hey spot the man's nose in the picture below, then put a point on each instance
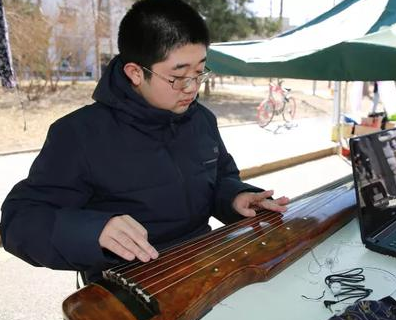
(192, 86)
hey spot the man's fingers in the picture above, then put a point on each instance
(146, 247)
(118, 249)
(263, 195)
(136, 238)
(245, 203)
(134, 224)
(131, 246)
(127, 238)
(273, 206)
(246, 212)
(127, 248)
(282, 200)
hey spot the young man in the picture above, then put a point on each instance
(142, 168)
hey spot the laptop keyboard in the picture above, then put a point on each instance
(393, 244)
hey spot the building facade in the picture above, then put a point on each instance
(84, 34)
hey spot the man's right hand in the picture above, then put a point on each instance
(127, 238)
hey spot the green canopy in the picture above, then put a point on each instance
(356, 40)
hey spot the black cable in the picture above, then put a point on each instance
(347, 277)
(345, 285)
(316, 299)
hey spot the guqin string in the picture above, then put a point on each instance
(272, 222)
(183, 246)
(277, 226)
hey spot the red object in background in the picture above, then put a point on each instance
(345, 152)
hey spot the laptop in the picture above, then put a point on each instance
(373, 158)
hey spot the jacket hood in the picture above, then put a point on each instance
(115, 91)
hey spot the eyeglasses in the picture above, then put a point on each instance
(181, 83)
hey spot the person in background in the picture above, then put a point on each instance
(375, 98)
(141, 169)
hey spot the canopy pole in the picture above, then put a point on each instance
(337, 126)
(337, 103)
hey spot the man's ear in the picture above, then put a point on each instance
(134, 72)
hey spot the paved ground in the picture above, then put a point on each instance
(231, 103)
(250, 145)
(254, 146)
(37, 293)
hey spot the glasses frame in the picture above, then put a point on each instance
(188, 80)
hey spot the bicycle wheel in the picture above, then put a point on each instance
(265, 112)
(289, 110)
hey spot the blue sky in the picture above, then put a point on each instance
(299, 11)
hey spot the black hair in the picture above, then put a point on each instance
(153, 28)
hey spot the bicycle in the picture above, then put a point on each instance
(270, 107)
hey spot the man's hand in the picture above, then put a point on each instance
(246, 201)
(127, 238)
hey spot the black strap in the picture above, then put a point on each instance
(83, 279)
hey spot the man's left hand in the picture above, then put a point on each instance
(245, 202)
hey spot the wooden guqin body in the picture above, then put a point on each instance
(187, 280)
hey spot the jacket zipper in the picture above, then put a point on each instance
(178, 170)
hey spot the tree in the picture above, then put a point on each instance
(226, 19)
(281, 10)
(30, 34)
(268, 27)
(71, 39)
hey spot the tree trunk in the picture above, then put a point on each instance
(281, 10)
(97, 44)
(207, 89)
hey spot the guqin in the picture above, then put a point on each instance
(187, 280)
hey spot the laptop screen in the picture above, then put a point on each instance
(374, 166)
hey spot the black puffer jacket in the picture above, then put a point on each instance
(119, 156)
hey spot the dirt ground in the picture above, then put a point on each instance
(24, 124)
